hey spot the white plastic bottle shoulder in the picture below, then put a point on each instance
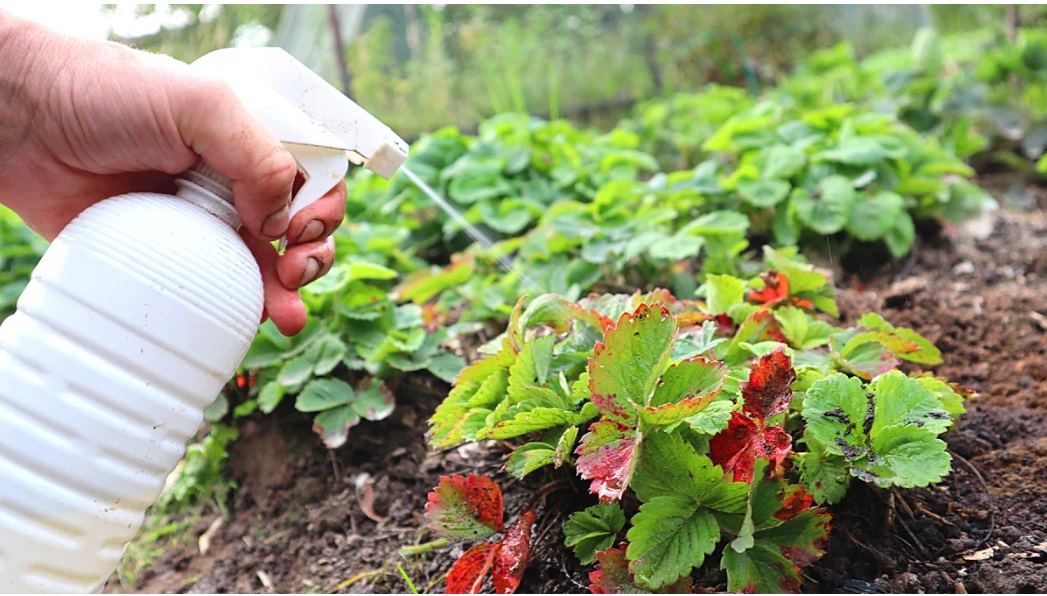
(137, 315)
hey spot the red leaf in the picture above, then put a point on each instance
(775, 290)
(468, 572)
(606, 456)
(794, 503)
(737, 447)
(463, 507)
(769, 389)
(612, 576)
(514, 554)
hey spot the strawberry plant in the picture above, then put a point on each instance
(711, 428)
(465, 508)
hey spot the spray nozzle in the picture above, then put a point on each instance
(319, 126)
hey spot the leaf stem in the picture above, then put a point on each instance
(423, 548)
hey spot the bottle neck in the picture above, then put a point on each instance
(204, 187)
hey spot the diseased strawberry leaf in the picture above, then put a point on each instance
(768, 391)
(775, 289)
(606, 455)
(468, 572)
(924, 352)
(593, 530)
(683, 391)
(748, 437)
(744, 441)
(627, 364)
(514, 551)
(612, 576)
(465, 507)
(886, 432)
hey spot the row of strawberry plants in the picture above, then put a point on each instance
(715, 426)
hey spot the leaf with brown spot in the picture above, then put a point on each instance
(465, 507)
(514, 553)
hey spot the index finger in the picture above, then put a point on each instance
(217, 127)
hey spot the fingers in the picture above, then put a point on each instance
(319, 220)
(282, 303)
(221, 131)
(305, 263)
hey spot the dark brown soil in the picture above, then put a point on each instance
(309, 520)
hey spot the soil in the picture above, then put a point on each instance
(310, 520)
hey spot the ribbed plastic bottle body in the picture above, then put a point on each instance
(137, 315)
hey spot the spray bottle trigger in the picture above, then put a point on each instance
(322, 167)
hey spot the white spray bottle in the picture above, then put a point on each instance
(136, 317)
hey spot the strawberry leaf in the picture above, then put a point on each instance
(768, 391)
(627, 364)
(669, 465)
(886, 433)
(775, 290)
(530, 421)
(465, 507)
(670, 536)
(901, 400)
(923, 351)
(779, 536)
(606, 456)
(825, 476)
(512, 556)
(744, 441)
(612, 576)
(468, 572)
(683, 391)
(592, 530)
(528, 458)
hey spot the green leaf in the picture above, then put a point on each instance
(362, 270)
(335, 279)
(270, 396)
(901, 400)
(326, 353)
(779, 552)
(713, 419)
(801, 329)
(829, 209)
(295, 371)
(324, 394)
(593, 530)
(908, 456)
(837, 407)
(783, 161)
(528, 458)
(860, 151)
(951, 400)
(669, 537)
(668, 465)
(873, 217)
(633, 355)
(683, 391)
(530, 421)
(722, 292)
(825, 476)
(900, 237)
(925, 353)
(765, 192)
(333, 425)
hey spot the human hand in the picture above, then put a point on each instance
(81, 121)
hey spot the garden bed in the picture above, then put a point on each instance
(306, 519)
